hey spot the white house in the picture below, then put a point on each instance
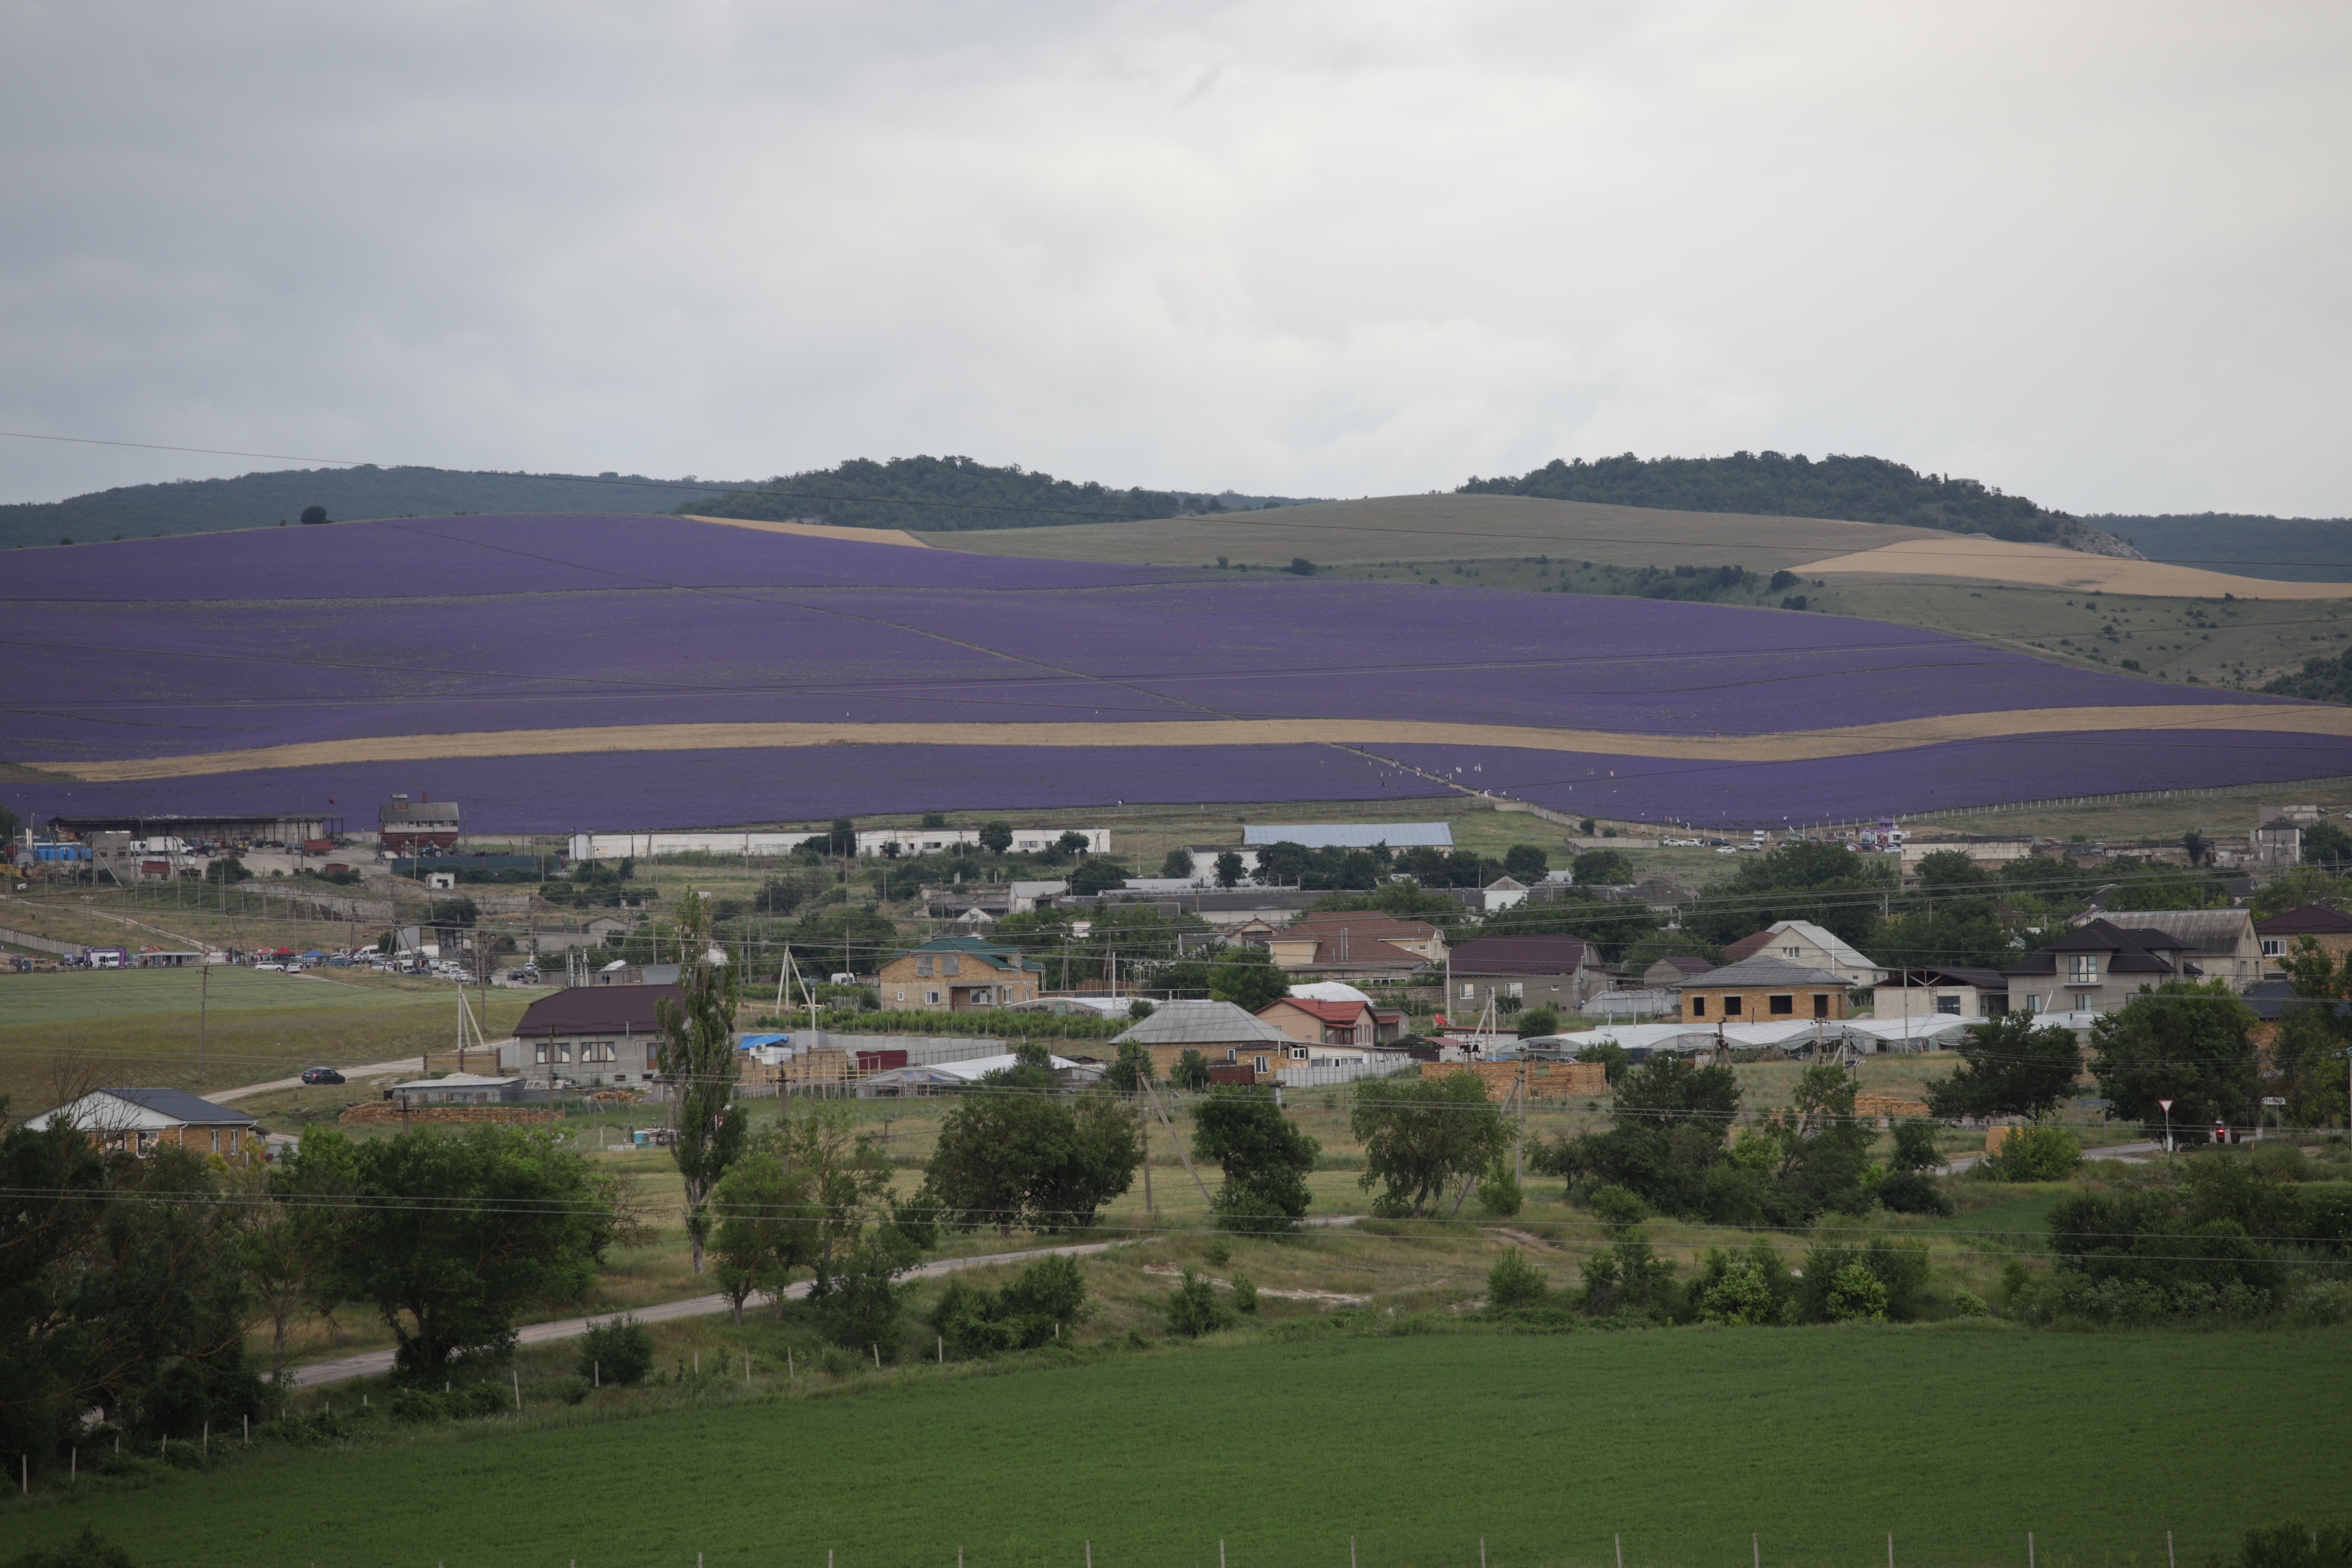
(1808, 946)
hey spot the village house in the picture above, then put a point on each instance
(2098, 966)
(1317, 1022)
(2216, 944)
(1670, 971)
(1356, 944)
(1809, 946)
(1224, 1034)
(1763, 990)
(1517, 971)
(141, 1121)
(959, 974)
(2282, 934)
(1938, 990)
(591, 1034)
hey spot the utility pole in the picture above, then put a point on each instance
(204, 999)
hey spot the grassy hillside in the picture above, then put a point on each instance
(2287, 549)
(953, 495)
(262, 499)
(1819, 1443)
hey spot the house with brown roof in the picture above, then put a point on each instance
(1515, 972)
(591, 1034)
(2282, 934)
(1673, 970)
(1353, 944)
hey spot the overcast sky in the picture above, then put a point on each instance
(2094, 254)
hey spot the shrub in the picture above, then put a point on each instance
(478, 1399)
(1244, 1294)
(618, 1350)
(1743, 1291)
(2295, 1544)
(1514, 1282)
(1616, 1208)
(1024, 1315)
(1857, 1294)
(1499, 1193)
(1908, 1192)
(87, 1550)
(2035, 1154)
(1193, 1309)
(572, 1390)
(415, 1405)
(1969, 1304)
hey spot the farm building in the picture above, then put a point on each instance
(141, 1121)
(403, 825)
(459, 1088)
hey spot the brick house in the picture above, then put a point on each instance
(1515, 972)
(1762, 991)
(1324, 1023)
(959, 974)
(1355, 944)
(1226, 1034)
(2281, 933)
(141, 1121)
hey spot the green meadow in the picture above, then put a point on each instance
(1957, 1439)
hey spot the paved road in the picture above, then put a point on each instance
(2131, 1152)
(371, 1363)
(404, 1065)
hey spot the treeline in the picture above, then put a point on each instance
(2322, 679)
(945, 494)
(2284, 549)
(266, 499)
(1768, 484)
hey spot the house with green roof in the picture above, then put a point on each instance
(960, 974)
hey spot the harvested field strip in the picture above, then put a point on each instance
(2044, 567)
(820, 531)
(1683, 1443)
(1850, 740)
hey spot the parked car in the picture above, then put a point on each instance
(322, 1075)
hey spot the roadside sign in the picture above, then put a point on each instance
(2166, 1103)
(2273, 1099)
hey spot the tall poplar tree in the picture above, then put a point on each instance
(697, 1058)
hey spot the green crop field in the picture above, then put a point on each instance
(1818, 1442)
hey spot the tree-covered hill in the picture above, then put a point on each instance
(2322, 679)
(947, 494)
(2284, 549)
(264, 499)
(1854, 489)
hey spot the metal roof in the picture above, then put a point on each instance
(1546, 954)
(1355, 835)
(2199, 931)
(591, 1009)
(1201, 1024)
(168, 1105)
(1760, 972)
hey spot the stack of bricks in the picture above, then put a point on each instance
(1887, 1105)
(1544, 1080)
(390, 1111)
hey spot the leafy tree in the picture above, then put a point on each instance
(763, 1234)
(458, 911)
(11, 825)
(1229, 868)
(2305, 1064)
(1266, 1157)
(1246, 977)
(1007, 1157)
(226, 869)
(2186, 1041)
(1535, 1021)
(314, 515)
(940, 494)
(2035, 1154)
(2197, 847)
(1824, 883)
(1096, 876)
(290, 1238)
(1027, 1312)
(2009, 1067)
(1130, 1070)
(996, 837)
(1615, 1059)
(1743, 1292)
(1950, 870)
(1525, 862)
(455, 1233)
(617, 1350)
(1420, 1135)
(696, 1059)
(1915, 1147)
(1177, 862)
(934, 819)
(2294, 888)
(842, 934)
(1602, 867)
(2326, 844)
(1190, 1072)
(1873, 1283)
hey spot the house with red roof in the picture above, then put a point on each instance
(1323, 1023)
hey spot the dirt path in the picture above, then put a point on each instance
(372, 1363)
(1854, 740)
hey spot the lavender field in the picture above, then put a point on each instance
(490, 625)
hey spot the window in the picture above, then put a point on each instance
(1780, 1006)
(596, 1051)
(1515, 989)
(1298, 1053)
(2034, 1003)
(216, 1140)
(1789, 953)
(1468, 991)
(900, 995)
(1821, 1003)
(2273, 947)
(954, 964)
(931, 997)
(1698, 1007)
(1949, 1004)
(1731, 1006)
(2083, 969)
(980, 996)
(923, 964)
